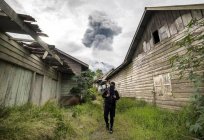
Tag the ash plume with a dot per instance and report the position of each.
(100, 32)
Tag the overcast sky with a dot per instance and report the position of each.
(90, 30)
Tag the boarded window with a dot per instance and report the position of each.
(186, 17)
(179, 24)
(162, 84)
(196, 14)
(158, 85)
(151, 42)
(146, 46)
(164, 32)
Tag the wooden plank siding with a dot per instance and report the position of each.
(24, 77)
(67, 84)
(137, 78)
(36, 94)
(14, 53)
(49, 90)
(15, 84)
(16, 87)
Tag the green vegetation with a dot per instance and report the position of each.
(189, 65)
(48, 122)
(34, 123)
(134, 120)
(84, 85)
(144, 121)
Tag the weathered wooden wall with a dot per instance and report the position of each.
(151, 66)
(36, 95)
(49, 90)
(24, 77)
(67, 84)
(15, 84)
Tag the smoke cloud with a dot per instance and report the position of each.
(101, 31)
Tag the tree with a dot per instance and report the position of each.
(84, 83)
(99, 73)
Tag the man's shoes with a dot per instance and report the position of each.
(107, 126)
(110, 130)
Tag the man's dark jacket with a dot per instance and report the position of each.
(110, 100)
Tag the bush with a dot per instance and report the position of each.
(83, 85)
(92, 92)
(195, 121)
(75, 91)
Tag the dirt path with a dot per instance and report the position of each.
(102, 134)
(119, 130)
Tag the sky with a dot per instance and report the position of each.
(91, 30)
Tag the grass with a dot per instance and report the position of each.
(49, 122)
(34, 123)
(148, 122)
(134, 120)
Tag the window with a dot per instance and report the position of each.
(162, 84)
(156, 37)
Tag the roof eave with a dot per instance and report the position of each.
(115, 71)
(176, 7)
(73, 58)
(132, 48)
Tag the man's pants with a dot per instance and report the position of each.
(108, 109)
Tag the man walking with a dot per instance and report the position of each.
(110, 95)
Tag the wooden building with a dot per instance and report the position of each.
(146, 72)
(31, 70)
